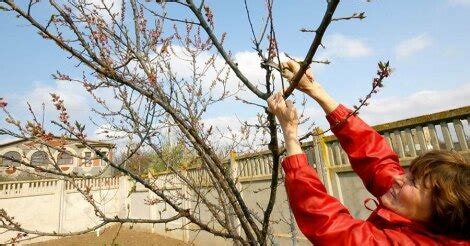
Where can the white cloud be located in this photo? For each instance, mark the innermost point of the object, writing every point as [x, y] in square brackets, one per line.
[220, 128]
[106, 132]
[413, 45]
[222, 121]
[228, 133]
[248, 63]
[73, 94]
[182, 67]
[338, 45]
[460, 2]
[114, 7]
[423, 102]
[315, 114]
[75, 99]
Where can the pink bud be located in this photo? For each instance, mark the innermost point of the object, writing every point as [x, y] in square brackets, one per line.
[3, 103]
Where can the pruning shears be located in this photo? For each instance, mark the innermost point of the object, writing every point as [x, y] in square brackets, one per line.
[272, 65]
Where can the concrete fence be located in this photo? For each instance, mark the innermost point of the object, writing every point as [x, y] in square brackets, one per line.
[54, 205]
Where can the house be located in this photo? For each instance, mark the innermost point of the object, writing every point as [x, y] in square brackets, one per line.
[76, 158]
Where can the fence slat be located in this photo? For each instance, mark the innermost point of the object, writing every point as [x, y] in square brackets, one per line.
[345, 156]
[387, 138]
[421, 139]
[433, 136]
[393, 139]
[410, 142]
[403, 141]
[265, 164]
[257, 166]
[262, 168]
[447, 136]
[254, 164]
[460, 134]
[337, 154]
[330, 154]
[244, 171]
[399, 143]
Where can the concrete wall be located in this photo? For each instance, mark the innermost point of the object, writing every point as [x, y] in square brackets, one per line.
[255, 192]
[54, 206]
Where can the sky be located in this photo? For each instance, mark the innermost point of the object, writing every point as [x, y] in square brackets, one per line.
[426, 42]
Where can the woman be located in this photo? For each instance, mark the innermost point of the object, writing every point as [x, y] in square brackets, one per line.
[427, 206]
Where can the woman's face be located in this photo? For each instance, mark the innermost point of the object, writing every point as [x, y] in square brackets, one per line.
[408, 199]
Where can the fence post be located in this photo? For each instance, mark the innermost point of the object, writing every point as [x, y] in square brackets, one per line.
[60, 196]
[186, 205]
[152, 196]
[321, 158]
[124, 200]
[233, 168]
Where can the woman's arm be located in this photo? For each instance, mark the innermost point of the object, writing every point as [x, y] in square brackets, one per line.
[320, 217]
[370, 155]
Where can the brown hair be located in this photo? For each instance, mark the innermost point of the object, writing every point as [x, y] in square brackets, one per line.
[447, 175]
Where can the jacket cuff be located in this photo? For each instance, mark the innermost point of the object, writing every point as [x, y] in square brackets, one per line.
[338, 115]
[293, 162]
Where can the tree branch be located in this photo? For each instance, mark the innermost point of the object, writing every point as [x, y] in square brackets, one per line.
[313, 47]
[222, 51]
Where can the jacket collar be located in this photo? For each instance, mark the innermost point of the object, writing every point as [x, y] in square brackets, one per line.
[389, 215]
[396, 219]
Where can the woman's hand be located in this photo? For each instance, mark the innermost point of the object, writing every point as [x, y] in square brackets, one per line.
[286, 114]
[307, 83]
[290, 68]
[309, 86]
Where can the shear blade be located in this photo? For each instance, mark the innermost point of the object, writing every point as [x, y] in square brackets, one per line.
[272, 64]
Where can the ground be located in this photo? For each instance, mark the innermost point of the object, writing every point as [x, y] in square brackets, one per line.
[126, 237]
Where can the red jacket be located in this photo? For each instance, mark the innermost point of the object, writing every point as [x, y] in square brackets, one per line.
[325, 221]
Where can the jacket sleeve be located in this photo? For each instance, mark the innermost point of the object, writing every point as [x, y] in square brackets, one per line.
[321, 217]
[368, 152]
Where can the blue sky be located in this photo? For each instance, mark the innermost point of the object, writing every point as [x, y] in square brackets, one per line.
[427, 42]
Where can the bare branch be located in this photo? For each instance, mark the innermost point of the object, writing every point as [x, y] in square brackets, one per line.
[383, 72]
[314, 46]
[359, 16]
[222, 52]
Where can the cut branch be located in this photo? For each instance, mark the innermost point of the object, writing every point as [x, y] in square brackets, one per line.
[359, 16]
